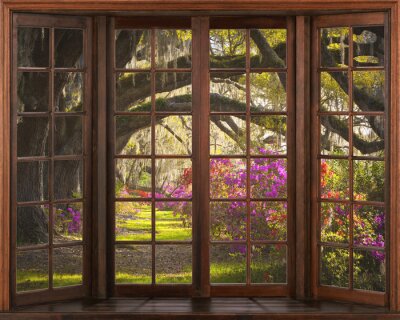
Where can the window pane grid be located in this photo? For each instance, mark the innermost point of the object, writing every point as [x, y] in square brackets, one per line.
[51, 204]
[153, 219]
[224, 206]
[353, 200]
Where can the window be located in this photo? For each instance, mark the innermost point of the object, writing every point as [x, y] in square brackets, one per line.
[51, 184]
[200, 156]
[352, 150]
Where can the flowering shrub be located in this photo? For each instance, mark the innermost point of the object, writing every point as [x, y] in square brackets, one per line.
[68, 221]
[368, 224]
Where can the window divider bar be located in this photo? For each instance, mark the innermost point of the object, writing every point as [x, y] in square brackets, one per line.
[303, 146]
[99, 215]
[200, 101]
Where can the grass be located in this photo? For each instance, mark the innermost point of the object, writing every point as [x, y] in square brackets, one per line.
[137, 226]
[27, 280]
[221, 272]
[225, 268]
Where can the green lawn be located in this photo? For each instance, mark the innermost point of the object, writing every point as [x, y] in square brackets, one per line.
[34, 281]
[137, 226]
[224, 268]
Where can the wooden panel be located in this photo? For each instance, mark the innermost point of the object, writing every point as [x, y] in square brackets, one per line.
[233, 5]
[154, 21]
[302, 158]
[5, 156]
[394, 247]
[214, 308]
[349, 20]
[99, 215]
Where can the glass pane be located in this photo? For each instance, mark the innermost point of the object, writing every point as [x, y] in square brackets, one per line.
[32, 225]
[133, 178]
[133, 264]
[334, 179]
[369, 226]
[173, 178]
[228, 178]
[227, 135]
[369, 180]
[67, 266]
[335, 220]
[268, 178]
[173, 48]
[132, 49]
[133, 221]
[133, 92]
[173, 135]
[334, 47]
[174, 91]
[173, 264]
[268, 135]
[68, 136]
[68, 47]
[68, 91]
[32, 181]
[334, 267]
[32, 136]
[133, 135]
[33, 47]
[32, 270]
[68, 179]
[68, 222]
[173, 221]
[33, 92]
[276, 40]
[228, 263]
[268, 92]
[369, 270]
[268, 263]
[369, 91]
[228, 92]
[334, 137]
[334, 95]
[268, 220]
[228, 220]
[227, 48]
[368, 136]
[369, 46]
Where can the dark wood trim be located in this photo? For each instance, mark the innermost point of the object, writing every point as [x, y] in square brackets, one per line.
[269, 290]
[99, 214]
[286, 6]
[303, 62]
[52, 293]
[291, 154]
[232, 22]
[175, 22]
[330, 292]
[204, 144]
[214, 308]
[394, 232]
[196, 174]
[110, 49]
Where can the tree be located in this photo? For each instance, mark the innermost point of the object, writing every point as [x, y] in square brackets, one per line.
[269, 50]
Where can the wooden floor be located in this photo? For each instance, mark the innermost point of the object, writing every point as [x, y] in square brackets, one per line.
[215, 308]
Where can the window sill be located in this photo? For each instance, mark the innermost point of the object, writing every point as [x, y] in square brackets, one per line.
[218, 308]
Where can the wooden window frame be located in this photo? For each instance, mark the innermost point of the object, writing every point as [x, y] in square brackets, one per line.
[302, 8]
[54, 293]
[200, 113]
[346, 20]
